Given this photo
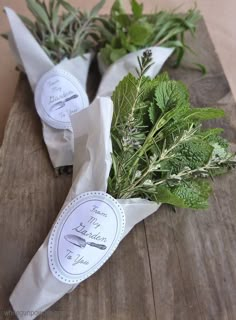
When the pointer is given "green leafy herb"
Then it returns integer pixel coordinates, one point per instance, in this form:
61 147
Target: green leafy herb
62 30
125 33
160 150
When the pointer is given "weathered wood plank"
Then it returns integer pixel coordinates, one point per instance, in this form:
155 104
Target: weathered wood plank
192 254
31 197
175 266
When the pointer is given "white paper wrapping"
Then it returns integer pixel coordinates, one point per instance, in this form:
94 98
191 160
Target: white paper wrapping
113 74
37 283
38 289
31 57
92 164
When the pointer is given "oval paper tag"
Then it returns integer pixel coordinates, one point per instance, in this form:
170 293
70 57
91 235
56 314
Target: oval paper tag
58 95
84 236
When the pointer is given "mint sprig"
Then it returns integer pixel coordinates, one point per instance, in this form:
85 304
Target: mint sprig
123 33
160 150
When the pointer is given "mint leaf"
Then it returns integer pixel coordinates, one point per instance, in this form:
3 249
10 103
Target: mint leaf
139 32
168 94
137 9
163 194
194 194
106 53
192 154
187 194
116 54
124 98
117 9
149 85
153 113
123 20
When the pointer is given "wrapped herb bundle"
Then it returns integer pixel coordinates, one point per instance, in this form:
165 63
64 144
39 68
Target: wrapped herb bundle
150 149
160 150
55 52
125 37
122 33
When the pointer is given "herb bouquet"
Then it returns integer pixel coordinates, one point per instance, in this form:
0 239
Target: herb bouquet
144 146
55 52
124 37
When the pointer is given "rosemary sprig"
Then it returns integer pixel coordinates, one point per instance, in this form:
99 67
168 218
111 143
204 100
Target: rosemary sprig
160 150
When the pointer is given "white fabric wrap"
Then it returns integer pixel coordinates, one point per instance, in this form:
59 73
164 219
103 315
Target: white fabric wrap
38 289
31 57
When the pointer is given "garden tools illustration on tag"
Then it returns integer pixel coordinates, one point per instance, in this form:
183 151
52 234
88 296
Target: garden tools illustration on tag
80 242
61 104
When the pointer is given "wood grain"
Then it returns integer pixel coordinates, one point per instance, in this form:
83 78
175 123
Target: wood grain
174 266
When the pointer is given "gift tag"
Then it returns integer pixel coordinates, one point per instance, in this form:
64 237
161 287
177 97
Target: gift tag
58 95
84 236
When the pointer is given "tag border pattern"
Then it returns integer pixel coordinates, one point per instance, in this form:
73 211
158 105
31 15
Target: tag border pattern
92 195
43 114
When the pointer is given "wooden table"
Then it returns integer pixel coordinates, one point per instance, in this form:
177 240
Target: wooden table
174 266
